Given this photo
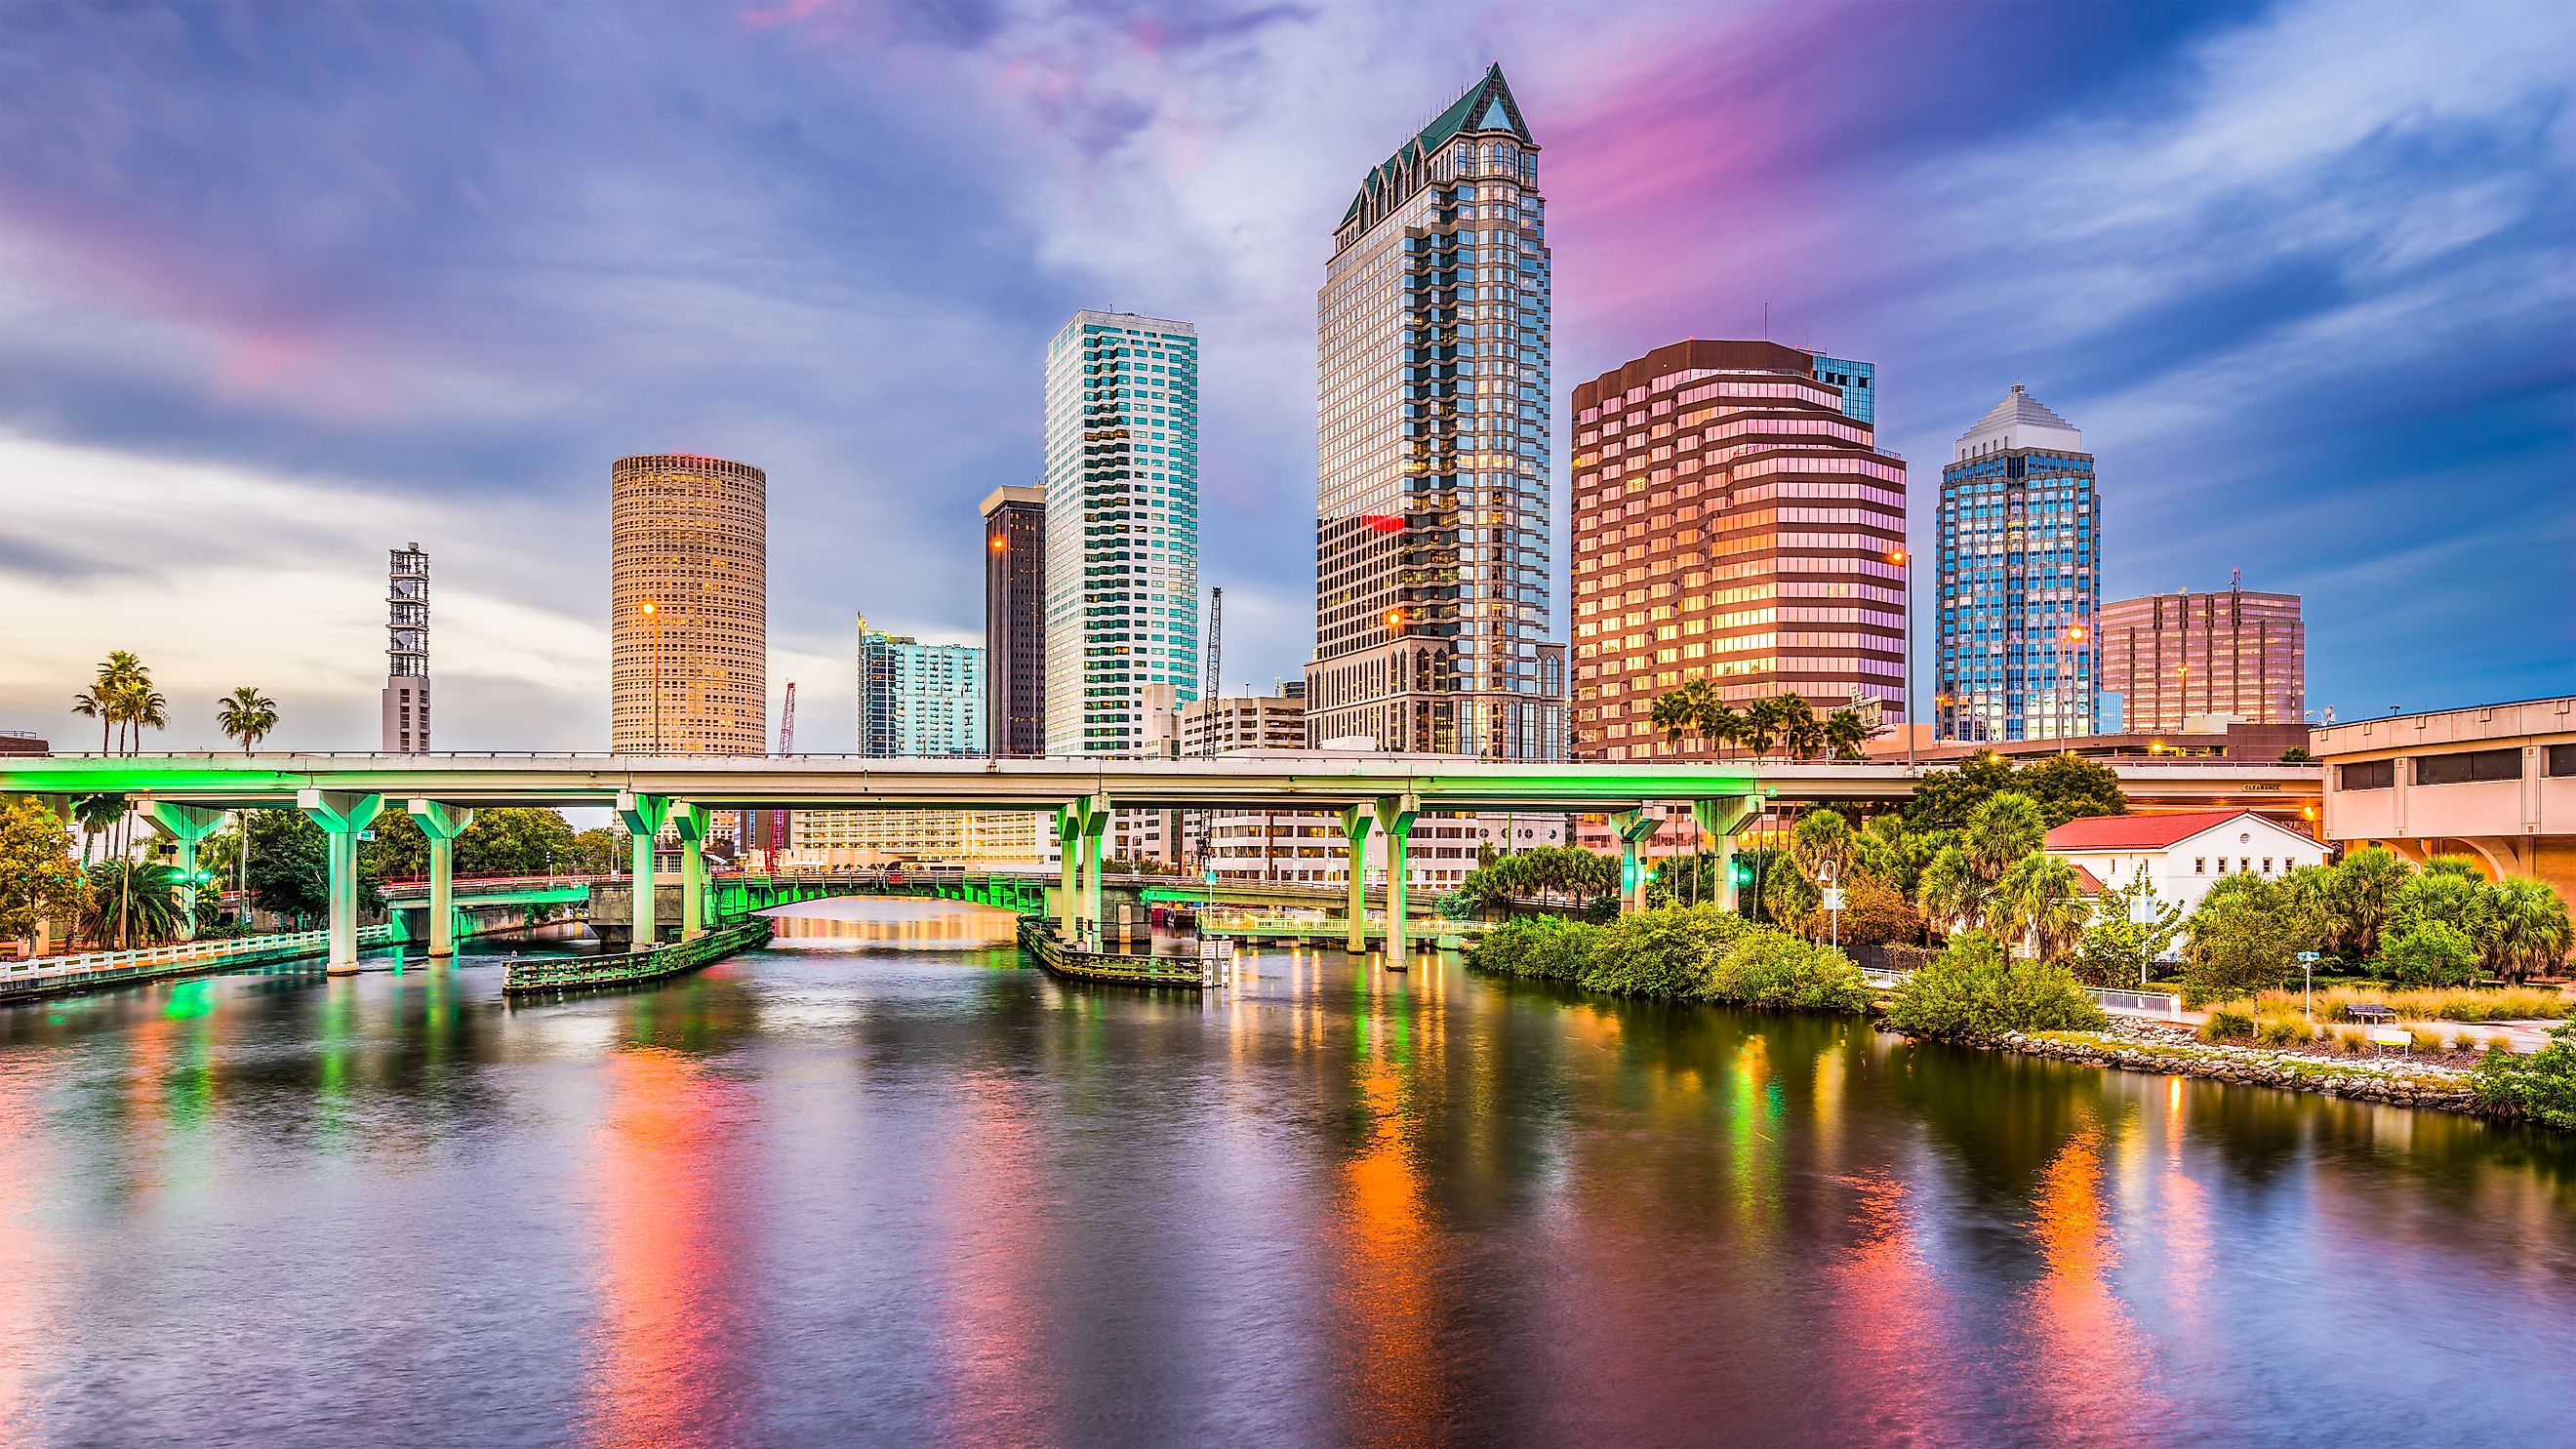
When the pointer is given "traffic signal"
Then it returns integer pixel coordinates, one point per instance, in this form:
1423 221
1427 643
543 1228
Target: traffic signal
1742 872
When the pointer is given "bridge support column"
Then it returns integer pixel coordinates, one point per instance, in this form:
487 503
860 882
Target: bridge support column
1079 827
1636 828
1356 820
1395 816
1720 819
642 815
690 821
342 815
441 824
187 826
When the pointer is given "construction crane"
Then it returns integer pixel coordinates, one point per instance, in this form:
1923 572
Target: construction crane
777 842
1216 643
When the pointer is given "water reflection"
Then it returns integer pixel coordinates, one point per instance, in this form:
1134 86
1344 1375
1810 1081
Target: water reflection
917 925
842 1191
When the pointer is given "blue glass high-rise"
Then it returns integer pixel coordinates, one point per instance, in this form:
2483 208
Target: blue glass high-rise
2021 579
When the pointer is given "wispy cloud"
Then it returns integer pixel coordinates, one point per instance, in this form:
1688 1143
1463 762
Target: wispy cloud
281 287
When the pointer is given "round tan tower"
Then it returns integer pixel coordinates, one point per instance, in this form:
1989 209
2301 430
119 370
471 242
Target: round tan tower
688 596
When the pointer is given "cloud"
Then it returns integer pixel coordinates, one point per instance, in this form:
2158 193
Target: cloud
280 287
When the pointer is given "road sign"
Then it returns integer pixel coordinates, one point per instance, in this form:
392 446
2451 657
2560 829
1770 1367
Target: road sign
1833 898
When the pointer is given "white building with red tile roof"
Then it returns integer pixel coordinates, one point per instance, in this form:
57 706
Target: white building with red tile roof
2182 854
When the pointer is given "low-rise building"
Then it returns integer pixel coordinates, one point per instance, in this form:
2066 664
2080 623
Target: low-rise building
2493 782
2182 855
856 839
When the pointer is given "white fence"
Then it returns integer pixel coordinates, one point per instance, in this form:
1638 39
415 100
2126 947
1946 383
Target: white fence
2162 1004
147 959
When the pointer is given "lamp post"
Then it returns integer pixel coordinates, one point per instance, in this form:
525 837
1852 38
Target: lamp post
1898 557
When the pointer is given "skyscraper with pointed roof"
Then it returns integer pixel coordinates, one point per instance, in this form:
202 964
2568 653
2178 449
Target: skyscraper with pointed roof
1431 430
2021 579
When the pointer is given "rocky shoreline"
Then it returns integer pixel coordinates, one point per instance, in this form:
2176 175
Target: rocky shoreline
2142 1046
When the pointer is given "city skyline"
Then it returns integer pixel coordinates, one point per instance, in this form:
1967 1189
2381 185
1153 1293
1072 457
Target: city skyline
283 404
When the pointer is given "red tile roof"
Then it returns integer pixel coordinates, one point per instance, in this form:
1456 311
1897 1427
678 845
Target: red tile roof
2087 883
2138 832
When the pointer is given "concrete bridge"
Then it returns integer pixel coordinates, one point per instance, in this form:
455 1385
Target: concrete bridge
185 796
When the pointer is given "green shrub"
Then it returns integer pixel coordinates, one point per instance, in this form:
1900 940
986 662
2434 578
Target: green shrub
1975 989
1661 953
1547 948
2223 1025
2432 953
1767 968
2542 1087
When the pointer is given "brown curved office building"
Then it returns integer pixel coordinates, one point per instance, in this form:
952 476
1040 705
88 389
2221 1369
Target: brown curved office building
688 606
1732 521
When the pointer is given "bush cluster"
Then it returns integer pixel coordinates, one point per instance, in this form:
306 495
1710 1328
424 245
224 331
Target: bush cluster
1975 989
2541 1087
1697 953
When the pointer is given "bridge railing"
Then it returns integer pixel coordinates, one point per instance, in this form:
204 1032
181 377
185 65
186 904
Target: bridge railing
2162 1004
45 969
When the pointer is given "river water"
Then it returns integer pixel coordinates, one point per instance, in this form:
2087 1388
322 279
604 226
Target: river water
851 1191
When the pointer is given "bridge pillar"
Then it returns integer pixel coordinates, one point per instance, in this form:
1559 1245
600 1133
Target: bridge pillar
342 815
1079 828
1636 827
642 815
186 825
690 822
1721 818
1395 816
1356 820
441 824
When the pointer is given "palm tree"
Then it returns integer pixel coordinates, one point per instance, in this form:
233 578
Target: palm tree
1719 724
96 814
2039 902
2522 926
1672 716
93 703
144 906
246 715
1845 733
2364 884
147 709
120 676
1951 892
1761 726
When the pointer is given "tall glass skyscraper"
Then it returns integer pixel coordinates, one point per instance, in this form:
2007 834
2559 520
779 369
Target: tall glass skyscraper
919 699
1431 424
2021 579
1122 526
1858 381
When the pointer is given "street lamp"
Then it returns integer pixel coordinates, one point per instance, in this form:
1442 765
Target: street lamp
1898 558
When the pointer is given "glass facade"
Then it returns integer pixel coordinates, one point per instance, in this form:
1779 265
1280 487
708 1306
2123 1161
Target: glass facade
1122 526
1857 380
2021 580
919 699
1432 443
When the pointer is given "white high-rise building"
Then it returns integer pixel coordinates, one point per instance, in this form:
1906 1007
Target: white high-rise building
1431 434
1122 527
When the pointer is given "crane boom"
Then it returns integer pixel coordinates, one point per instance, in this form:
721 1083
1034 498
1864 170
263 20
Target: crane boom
777 841
1216 643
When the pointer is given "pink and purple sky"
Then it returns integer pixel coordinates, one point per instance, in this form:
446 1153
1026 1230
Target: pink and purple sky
281 286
